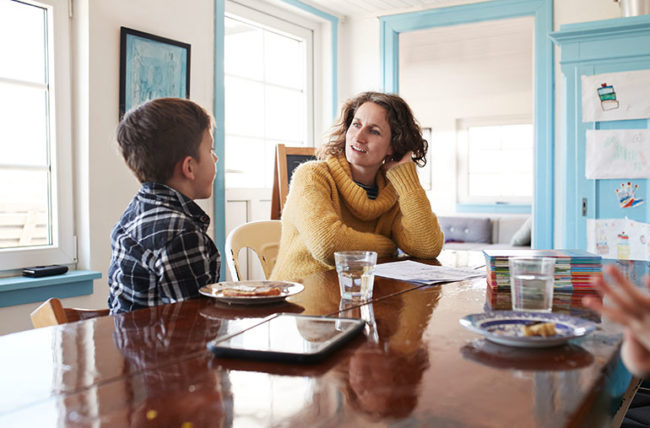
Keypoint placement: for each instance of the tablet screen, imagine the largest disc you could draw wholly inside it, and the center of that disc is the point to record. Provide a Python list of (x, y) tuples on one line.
[(289, 334)]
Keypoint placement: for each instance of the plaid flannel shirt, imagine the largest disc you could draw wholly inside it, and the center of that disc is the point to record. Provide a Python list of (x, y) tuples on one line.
[(160, 251)]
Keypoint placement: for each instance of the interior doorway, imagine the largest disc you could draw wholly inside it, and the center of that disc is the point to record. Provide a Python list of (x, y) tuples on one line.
[(395, 26)]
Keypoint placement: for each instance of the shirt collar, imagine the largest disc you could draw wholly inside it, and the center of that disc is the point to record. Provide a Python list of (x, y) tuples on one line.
[(170, 197)]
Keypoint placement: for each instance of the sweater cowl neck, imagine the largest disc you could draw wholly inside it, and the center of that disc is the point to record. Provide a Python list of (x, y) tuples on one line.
[(355, 197)]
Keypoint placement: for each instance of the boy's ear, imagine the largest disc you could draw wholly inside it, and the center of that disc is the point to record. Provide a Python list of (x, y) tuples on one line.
[(187, 167)]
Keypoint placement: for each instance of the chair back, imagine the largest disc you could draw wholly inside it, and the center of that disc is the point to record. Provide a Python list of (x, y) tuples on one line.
[(263, 237), (52, 312)]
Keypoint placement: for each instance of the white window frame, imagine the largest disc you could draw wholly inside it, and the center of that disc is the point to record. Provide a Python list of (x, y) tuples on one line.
[(462, 159), (278, 20), (63, 247)]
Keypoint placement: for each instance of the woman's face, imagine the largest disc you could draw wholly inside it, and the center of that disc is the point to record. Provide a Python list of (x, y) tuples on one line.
[(367, 141)]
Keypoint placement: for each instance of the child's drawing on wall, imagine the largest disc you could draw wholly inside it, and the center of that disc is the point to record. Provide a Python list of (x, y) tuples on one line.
[(623, 246), (602, 245), (627, 195), (607, 97)]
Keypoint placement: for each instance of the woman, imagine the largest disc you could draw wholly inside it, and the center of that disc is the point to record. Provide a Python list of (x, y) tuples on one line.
[(362, 194)]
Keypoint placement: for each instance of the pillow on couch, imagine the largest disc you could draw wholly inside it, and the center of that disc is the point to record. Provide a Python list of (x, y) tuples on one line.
[(466, 229), (521, 238)]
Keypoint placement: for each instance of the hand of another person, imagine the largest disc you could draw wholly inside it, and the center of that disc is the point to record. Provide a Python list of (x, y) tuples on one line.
[(390, 163), (635, 355), (629, 306)]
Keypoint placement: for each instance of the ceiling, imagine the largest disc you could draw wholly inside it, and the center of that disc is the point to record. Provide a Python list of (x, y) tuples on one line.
[(366, 8)]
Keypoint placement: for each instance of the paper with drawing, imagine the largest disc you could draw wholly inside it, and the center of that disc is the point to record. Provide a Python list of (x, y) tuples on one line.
[(617, 154), (616, 96)]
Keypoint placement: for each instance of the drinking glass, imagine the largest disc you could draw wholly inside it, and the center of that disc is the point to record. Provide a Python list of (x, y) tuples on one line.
[(356, 271), (531, 283)]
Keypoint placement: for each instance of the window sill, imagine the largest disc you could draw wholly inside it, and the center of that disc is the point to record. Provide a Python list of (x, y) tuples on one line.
[(494, 208), (19, 290)]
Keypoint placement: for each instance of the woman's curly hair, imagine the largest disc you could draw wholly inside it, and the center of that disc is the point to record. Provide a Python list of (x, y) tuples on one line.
[(406, 134)]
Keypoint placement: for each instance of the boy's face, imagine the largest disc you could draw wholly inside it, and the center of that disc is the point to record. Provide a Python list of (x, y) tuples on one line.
[(206, 167)]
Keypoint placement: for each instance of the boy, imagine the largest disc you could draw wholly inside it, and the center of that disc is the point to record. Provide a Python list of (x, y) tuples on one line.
[(161, 252)]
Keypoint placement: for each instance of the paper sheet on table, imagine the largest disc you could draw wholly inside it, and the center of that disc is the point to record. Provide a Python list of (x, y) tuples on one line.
[(425, 274)]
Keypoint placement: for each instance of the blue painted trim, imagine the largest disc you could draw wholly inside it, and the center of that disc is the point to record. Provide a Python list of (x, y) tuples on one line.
[(542, 10), (493, 208), (220, 133), (582, 31), (589, 48), (334, 22), (20, 290)]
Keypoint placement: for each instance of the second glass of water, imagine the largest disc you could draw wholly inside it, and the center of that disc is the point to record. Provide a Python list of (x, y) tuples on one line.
[(531, 283), (356, 271)]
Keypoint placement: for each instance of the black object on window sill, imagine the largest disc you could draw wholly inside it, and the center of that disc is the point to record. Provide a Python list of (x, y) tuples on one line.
[(41, 271)]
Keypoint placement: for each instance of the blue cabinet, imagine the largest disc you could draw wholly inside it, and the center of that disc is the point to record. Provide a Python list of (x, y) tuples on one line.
[(592, 48)]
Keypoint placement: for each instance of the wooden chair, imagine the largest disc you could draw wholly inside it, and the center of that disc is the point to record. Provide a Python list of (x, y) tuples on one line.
[(286, 161), (52, 312), (263, 237)]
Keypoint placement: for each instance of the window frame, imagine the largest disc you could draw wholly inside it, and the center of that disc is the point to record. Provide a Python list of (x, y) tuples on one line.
[(62, 250), (282, 22), (463, 198)]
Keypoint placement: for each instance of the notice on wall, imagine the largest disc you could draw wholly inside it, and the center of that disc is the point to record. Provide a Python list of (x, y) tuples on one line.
[(616, 96), (617, 153), (619, 238)]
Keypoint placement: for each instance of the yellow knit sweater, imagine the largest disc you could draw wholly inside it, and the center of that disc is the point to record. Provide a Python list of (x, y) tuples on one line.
[(326, 211)]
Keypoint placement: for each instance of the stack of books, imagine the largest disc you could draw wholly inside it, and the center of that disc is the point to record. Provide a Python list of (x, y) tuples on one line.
[(574, 273)]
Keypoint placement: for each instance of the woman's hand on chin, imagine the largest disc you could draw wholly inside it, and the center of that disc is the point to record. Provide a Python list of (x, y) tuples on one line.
[(390, 163)]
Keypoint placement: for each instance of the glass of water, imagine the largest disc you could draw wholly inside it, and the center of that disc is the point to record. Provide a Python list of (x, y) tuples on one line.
[(356, 270), (531, 283)]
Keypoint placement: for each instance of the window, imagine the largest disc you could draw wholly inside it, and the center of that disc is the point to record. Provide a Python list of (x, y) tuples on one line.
[(35, 158), (268, 93), (495, 161)]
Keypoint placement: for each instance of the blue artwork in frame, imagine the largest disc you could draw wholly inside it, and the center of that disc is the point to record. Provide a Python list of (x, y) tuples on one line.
[(151, 67)]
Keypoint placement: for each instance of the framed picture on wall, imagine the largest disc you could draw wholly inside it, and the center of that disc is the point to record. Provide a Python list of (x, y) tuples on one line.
[(151, 67)]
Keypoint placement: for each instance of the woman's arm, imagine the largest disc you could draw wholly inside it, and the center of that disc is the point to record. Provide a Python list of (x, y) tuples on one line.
[(312, 209), (416, 229)]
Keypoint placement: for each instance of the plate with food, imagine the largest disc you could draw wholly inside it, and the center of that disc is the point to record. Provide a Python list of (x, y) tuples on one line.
[(527, 329), (251, 292)]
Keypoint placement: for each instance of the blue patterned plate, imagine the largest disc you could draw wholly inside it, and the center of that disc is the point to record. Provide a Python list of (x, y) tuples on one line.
[(505, 327)]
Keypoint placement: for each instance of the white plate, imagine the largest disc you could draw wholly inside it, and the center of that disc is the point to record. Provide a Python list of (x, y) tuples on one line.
[(216, 291), (505, 327)]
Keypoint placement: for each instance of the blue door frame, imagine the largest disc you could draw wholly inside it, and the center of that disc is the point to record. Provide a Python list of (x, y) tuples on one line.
[(542, 11)]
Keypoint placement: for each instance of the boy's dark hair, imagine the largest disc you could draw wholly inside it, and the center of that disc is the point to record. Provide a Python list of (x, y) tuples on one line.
[(406, 134), (155, 135)]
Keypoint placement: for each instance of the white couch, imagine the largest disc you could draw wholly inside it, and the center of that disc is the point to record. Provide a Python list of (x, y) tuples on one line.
[(492, 231)]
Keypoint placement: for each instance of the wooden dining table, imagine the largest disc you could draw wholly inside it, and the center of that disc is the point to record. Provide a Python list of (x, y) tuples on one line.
[(414, 366)]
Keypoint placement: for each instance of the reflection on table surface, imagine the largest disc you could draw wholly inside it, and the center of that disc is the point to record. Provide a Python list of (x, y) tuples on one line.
[(415, 366)]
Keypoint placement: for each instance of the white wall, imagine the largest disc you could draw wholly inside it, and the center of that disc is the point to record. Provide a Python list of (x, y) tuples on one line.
[(104, 186), (478, 70), (359, 41)]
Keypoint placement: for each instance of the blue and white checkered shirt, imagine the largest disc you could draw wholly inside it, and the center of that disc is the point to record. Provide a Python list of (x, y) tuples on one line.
[(161, 251)]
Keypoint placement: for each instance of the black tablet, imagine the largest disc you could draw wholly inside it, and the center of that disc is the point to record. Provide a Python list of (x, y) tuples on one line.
[(288, 337)]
